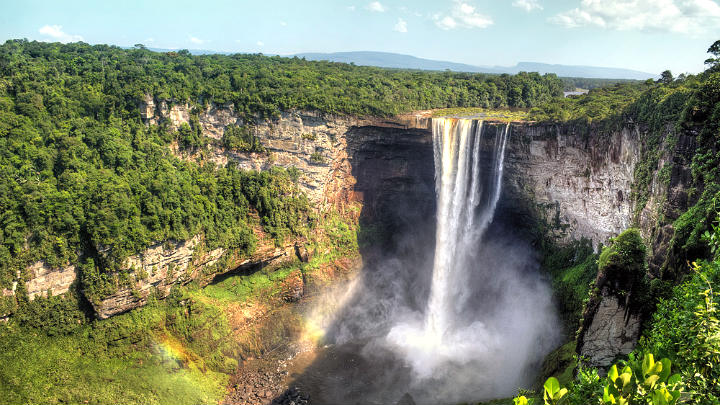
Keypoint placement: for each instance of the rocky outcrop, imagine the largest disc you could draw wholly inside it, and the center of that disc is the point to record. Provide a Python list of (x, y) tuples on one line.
[(45, 279), (669, 198), (341, 160), (317, 144), (613, 331), (164, 265), (581, 183)]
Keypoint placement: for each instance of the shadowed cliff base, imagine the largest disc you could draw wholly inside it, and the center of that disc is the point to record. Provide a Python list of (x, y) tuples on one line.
[(357, 363)]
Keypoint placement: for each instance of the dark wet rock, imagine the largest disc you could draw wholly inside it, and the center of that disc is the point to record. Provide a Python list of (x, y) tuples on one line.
[(406, 399), (292, 396)]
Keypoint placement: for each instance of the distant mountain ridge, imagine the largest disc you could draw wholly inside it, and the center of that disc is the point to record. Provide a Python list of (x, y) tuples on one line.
[(399, 61)]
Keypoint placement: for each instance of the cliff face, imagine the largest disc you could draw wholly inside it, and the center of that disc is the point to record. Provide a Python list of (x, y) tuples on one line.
[(382, 164), (164, 265), (580, 184)]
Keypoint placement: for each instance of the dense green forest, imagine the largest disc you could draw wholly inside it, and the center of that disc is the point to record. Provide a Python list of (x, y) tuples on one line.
[(100, 81), (572, 83), (81, 173)]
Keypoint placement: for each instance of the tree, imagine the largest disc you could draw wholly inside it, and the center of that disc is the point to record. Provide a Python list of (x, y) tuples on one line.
[(714, 63), (666, 77)]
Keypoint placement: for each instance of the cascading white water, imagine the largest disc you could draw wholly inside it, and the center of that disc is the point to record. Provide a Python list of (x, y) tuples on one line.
[(488, 318), (463, 213)]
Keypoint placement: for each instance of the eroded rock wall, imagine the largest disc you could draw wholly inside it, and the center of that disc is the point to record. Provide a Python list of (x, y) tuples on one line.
[(580, 183), (164, 265), (375, 162)]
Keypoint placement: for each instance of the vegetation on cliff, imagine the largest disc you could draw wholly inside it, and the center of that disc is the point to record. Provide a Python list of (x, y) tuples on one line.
[(663, 111), (684, 328), (83, 179), (103, 80), (684, 331), (180, 350)]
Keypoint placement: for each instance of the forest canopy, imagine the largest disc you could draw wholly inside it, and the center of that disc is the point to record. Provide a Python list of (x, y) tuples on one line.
[(101, 80)]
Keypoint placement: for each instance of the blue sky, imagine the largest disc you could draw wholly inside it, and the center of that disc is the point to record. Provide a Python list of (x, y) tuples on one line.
[(647, 35)]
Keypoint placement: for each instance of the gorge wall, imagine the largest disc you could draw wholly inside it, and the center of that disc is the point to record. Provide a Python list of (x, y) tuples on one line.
[(581, 183), (381, 165)]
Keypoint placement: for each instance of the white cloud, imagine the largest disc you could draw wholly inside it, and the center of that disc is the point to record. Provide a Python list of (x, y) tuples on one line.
[(376, 6), (682, 16), (401, 26), (527, 5), (283, 23), (351, 8), (260, 43), (197, 41), (150, 40), (55, 32), (462, 15)]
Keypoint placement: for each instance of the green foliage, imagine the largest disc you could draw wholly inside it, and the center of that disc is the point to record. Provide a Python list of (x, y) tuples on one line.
[(163, 353), (624, 257), (631, 382), (484, 113), (573, 83), (59, 315), (522, 400), (309, 136), (600, 105), (646, 382), (684, 330), (553, 394), (317, 157), (242, 287), (111, 186), (241, 139), (190, 135), (572, 268), (713, 62), (176, 351), (106, 77)]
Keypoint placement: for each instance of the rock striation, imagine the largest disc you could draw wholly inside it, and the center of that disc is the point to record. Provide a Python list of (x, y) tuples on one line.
[(164, 265), (45, 279), (580, 184), (613, 331)]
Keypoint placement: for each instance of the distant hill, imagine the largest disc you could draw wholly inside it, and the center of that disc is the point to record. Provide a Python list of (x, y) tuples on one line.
[(394, 60), (192, 51), (399, 61)]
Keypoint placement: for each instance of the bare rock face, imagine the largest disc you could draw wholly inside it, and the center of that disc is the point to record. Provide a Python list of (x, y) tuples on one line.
[(581, 183), (613, 332), (44, 279), (293, 287), (317, 144), (166, 264)]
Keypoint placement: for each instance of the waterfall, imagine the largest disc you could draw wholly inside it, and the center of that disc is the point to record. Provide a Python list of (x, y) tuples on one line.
[(467, 199), (489, 315)]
